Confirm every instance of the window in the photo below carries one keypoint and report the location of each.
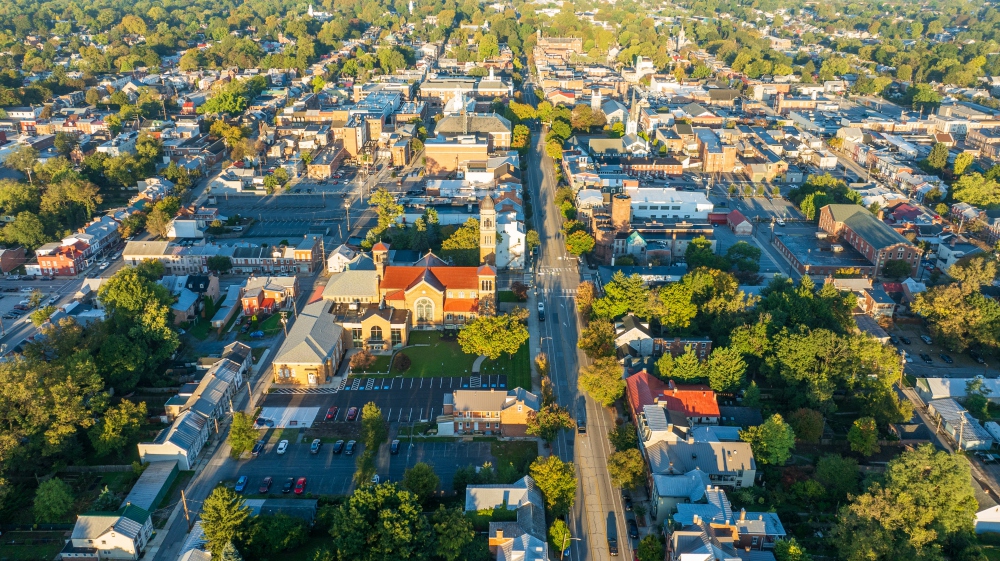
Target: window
(753, 540)
(449, 294)
(397, 337)
(425, 309)
(675, 208)
(376, 333)
(519, 408)
(461, 294)
(642, 207)
(449, 317)
(356, 335)
(653, 207)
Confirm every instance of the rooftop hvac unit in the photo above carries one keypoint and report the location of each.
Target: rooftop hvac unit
(837, 248)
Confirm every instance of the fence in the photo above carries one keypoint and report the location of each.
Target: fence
(35, 527)
(99, 469)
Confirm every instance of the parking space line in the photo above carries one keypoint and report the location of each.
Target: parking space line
(421, 418)
(400, 415)
(389, 414)
(392, 382)
(411, 383)
(421, 382)
(451, 383)
(410, 416)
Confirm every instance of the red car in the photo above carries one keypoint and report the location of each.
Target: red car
(300, 486)
(352, 413)
(265, 486)
(331, 413)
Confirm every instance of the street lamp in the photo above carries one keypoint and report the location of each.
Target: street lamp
(347, 207)
(567, 538)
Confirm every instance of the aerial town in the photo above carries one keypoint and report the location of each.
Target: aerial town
(516, 281)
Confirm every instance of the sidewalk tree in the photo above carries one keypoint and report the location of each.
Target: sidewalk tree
(559, 536)
(242, 434)
(41, 315)
(557, 481)
(493, 336)
(579, 243)
(221, 264)
(224, 518)
(626, 468)
(53, 500)
(585, 294)
(387, 208)
(453, 532)
(421, 481)
(863, 436)
(547, 422)
(598, 339)
(650, 548)
(381, 522)
(938, 157)
(602, 380)
(623, 437)
(771, 442)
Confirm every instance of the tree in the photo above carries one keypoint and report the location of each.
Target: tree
(41, 315)
(242, 434)
(493, 336)
(626, 468)
(686, 367)
(838, 475)
(938, 157)
(603, 381)
(387, 208)
(229, 553)
(623, 437)
(579, 243)
(789, 550)
(650, 548)
(621, 295)
(462, 247)
(381, 523)
(158, 222)
(374, 429)
(598, 339)
(269, 535)
(751, 395)
(699, 253)
(453, 532)
(863, 436)
(556, 480)
(221, 264)
(23, 159)
(224, 518)
(922, 504)
(548, 421)
(64, 143)
(532, 240)
(976, 400)
(807, 424)
(118, 427)
(53, 500)
(726, 369)
(421, 481)
(896, 269)
(585, 294)
(962, 163)
(771, 442)
(559, 535)
(975, 189)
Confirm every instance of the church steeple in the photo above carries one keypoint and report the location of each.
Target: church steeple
(487, 230)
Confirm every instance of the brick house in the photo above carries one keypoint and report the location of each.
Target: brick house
(11, 259)
(267, 294)
(874, 239)
(66, 260)
(489, 411)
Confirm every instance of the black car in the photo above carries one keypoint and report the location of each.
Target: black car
(946, 358)
(394, 447)
(926, 358)
(627, 499)
(893, 339)
(257, 448)
(904, 340)
(288, 486)
(977, 357)
(633, 529)
(338, 446)
(613, 546)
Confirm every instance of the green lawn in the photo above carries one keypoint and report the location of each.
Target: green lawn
(30, 546)
(508, 296)
(517, 368)
(380, 366)
(201, 329)
(519, 453)
(270, 325)
(440, 358)
(257, 352)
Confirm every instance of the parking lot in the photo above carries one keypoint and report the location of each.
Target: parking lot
(11, 297)
(962, 366)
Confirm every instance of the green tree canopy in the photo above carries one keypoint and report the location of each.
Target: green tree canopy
(224, 518)
(547, 422)
(627, 468)
(53, 500)
(493, 336)
(603, 380)
(421, 481)
(771, 442)
(557, 481)
(381, 523)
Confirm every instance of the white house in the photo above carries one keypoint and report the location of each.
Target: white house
(340, 258)
(109, 535)
(511, 243)
(988, 520)
(181, 441)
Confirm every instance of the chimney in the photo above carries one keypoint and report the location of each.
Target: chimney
(743, 514)
(499, 535)
(696, 519)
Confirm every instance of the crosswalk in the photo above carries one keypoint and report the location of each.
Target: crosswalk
(559, 291)
(378, 384)
(300, 391)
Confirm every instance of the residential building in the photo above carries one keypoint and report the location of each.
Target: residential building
(960, 424)
(523, 539)
(729, 464)
(267, 294)
(715, 156)
(66, 260)
(313, 349)
(634, 339)
(11, 258)
(489, 412)
(122, 534)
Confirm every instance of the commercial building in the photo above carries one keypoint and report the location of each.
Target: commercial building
(874, 239)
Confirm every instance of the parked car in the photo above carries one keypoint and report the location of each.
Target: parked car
(541, 311)
(257, 335)
(394, 447)
(904, 340)
(257, 448)
(241, 484)
(894, 340)
(265, 486)
(375, 479)
(315, 446)
(906, 356)
(977, 357)
(331, 413)
(926, 358)
(627, 499)
(926, 339)
(633, 529)
(338, 446)
(352, 414)
(300, 486)
(287, 487)
(613, 546)
(947, 359)
(282, 446)
(349, 450)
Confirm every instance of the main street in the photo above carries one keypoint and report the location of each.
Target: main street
(598, 510)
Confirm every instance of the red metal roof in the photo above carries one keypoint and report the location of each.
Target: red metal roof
(451, 278)
(695, 400)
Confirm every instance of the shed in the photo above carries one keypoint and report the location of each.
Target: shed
(739, 224)
(988, 520)
(152, 485)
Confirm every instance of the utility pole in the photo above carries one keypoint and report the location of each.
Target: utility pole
(187, 513)
(961, 432)
(284, 322)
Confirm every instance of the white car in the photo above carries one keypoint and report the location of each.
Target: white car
(282, 446)
(907, 357)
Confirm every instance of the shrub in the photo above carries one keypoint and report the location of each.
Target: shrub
(401, 362)
(520, 290)
(362, 360)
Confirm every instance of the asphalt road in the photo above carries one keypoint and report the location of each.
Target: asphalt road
(597, 502)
